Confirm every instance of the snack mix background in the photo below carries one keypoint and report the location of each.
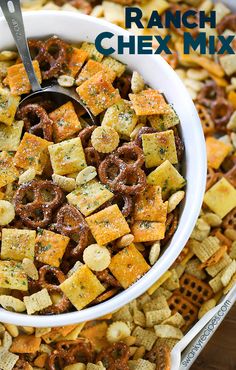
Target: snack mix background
(140, 335)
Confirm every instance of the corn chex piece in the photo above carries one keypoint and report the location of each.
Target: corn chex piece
(148, 102)
(92, 51)
(98, 93)
(25, 344)
(18, 244)
(156, 317)
(141, 364)
(67, 157)
(216, 152)
(82, 287)
(8, 171)
(192, 268)
(76, 60)
(167, 177)
(18, 79)
(133, 266)
(8, 107)
(10, 135)
(90, 69)
(65, 122)
(114, 65)
(161, 292)
(144, 338)
(158, 303)
(121, 117)
(229, 271)
(32, 153)
(159, 147)
(175, 320)
(108, 224)
(168, 331)
(37, 301)
(216, 283)
(12, 276)
(219, 266)
(172, 282)
(139, 318)
(50, 247)
(98, 366)
(221, 198)
(8, 360)
(168, 342)
(123, 314)
(216, 257)
(206, 306)
(162, 122)
(149, 205)
(230, 285)
(145, 231)
(206, 248)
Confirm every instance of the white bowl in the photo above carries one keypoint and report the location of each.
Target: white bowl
(158, 74)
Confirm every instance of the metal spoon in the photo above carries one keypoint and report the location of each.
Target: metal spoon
(13, 15)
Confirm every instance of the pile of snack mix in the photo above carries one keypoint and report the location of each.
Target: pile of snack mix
(141, 334)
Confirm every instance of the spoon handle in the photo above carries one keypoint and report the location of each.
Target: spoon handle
(12, 13)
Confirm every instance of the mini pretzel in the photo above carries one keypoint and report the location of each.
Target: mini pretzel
(160, 355)
(227, 23)
(115, 357)
(32, 113)
(51, 56)
(171, 226)
(57, 360)
(79, 350)
(123, 84)
(131, 154)
(212, 177)
(229, 222)
(209, 93)
(206, 121)
(44, 275)
(106, 278)
(221, 111)
(231, 175)
(70, 222)
(130, 175)
(37, 212)
(93, 158)
(179, 145)
(85, 135)
(194, 289)
(143, 130)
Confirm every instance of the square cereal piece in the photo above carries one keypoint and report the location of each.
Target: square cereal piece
(206, 248)
(146, 231)
(149, 205)
(32, 153)
(144, 338)
(65, 122)
(114, 65)
(92, 51)
(108, 225)
(168, 331)
(221, 198)
(50, 247)
(8, 172)
(18, 79)
(37, 301)
(219, 266)
(67, 157)
(141, 364)
(10, 136)
(82, 287)
(89, 196)
(159, 303)
(90, 69)
(128, 266)
(148, 102)
(12, 276)
(98, 93)
(162, 122)
(8, 359)
(167, 177)
(121, 117)
(216, 152)
(77, 58)
(159, 147)
(8, 106)
(18, 244)
(156, 317)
